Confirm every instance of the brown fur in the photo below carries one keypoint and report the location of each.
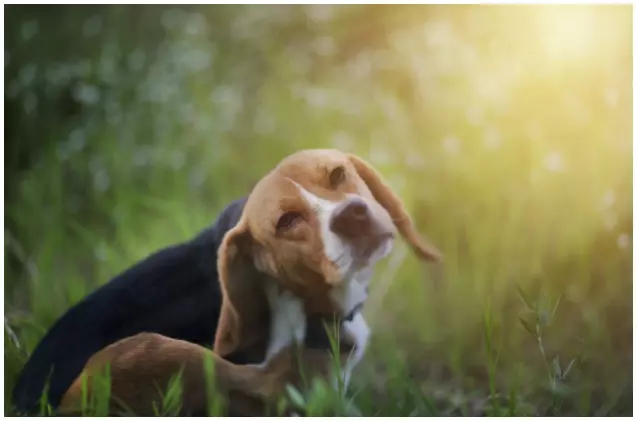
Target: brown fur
(142, 366)
(254, 251)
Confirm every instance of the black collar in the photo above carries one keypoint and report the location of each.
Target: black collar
(349, 317)
(319, 326)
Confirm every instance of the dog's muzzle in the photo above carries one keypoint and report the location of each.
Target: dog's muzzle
(354, 222)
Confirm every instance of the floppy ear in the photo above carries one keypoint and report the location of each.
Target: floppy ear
(387, 199)
(243, 300)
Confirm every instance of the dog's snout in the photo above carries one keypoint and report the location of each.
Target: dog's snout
(352, 220)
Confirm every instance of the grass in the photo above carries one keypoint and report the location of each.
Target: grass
(515, 166)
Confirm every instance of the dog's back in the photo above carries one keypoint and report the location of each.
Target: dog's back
(173, 292)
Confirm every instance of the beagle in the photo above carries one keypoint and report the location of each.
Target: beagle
(303, 243)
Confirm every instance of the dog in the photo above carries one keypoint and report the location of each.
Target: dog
(305, 242)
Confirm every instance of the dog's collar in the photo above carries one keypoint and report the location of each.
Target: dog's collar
(321, 332)
(318, 325)
(350, 316)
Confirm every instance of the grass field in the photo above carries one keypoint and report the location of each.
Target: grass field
(509, 141)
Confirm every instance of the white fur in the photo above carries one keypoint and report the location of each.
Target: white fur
(287, 324)
(335, 249)
(360, 332)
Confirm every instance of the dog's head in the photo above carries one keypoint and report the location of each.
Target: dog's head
(316, 224)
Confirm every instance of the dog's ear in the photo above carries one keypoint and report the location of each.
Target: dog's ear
(388, 200)
(243, 299)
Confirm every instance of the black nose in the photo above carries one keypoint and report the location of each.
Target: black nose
(352, 220)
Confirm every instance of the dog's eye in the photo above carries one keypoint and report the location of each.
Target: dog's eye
(337, 176)
(288, 220)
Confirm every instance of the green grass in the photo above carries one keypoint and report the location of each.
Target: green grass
(514, 161)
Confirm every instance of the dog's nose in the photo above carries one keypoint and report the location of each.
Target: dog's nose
(352, 220)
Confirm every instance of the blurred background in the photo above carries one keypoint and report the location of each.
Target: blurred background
(507, 130)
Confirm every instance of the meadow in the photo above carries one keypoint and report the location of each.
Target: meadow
(507, 130)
